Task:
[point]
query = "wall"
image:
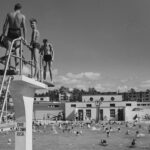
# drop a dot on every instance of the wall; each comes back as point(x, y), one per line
point(141, 113)
point(86, 98)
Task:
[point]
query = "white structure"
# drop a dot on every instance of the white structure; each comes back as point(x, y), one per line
point(47, 110)
point(111, 108)
point(41, 99)
point(106, 98)
point(22, 90)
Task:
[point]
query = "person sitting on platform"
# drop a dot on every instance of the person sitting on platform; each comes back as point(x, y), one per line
point(15, 24)
point(48, 57)
point(35, 46)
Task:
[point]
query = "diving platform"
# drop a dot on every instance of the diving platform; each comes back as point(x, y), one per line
point(22, 90)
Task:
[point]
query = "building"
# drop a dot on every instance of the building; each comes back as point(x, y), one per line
point(48, 110)
point(110, 107)
point(41, 99)
point(120, 107)
point(142, 96)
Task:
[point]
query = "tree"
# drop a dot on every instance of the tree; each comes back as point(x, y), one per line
point(63, 90)
point(92, 91)
point(76, 95)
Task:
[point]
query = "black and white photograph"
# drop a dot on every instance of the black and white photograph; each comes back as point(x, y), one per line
point(74, 74)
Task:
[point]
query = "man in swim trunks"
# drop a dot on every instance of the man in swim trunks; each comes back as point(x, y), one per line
point(48, 56)
point(14, 25)
point(35, 46)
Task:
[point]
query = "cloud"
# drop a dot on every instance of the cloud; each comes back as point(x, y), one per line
point(82, 86)
point(123, 88)
point(145, 84)
point(88, 75)
point(82, 80)
point(99, 87)
point(124, 80)
point(92, 75)
point(86, 80)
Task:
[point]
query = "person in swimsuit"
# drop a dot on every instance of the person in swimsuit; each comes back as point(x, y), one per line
point(15, 26)
point(35, 46)
point(48, 56)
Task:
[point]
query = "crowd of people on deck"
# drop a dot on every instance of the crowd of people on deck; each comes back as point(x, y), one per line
point(15, 27)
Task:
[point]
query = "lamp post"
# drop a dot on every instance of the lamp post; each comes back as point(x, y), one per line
point(98, 104)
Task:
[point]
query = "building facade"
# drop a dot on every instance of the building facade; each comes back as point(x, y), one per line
point(109, 107)
point(48, 111)
point(141, 96)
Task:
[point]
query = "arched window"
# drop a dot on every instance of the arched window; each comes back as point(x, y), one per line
point(102, 98)
point(91, 99)
point(112, 98)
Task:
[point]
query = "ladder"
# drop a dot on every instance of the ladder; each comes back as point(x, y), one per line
point(5, 99)
point(7, 63)
point(5, 60)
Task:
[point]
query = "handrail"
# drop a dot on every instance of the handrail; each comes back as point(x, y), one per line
point(7, 63)
point(21, 60)
point(5, 99)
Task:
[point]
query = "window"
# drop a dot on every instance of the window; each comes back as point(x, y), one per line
point(35, 99)
point(91, 99)
point(88, 113)
point(138, 104)
point(56, 105)
point(112, 98)
point(102, 98)
point(128, 104)
point(73, 105)
point(41, 99)
point(112, 105)
point(88, 105)
point(112, 113)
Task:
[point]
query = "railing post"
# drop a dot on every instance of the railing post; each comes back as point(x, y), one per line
point(41, 68)
point(21, 57)
point(31, 65)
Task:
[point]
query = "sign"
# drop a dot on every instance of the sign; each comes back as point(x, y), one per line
point(20, 130)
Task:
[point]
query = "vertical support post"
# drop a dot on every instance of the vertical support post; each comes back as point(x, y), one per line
point(21, 57)
point(98, 113)
point(31, 65)
point(6, 109)
point(41, 78)
point(22, 90)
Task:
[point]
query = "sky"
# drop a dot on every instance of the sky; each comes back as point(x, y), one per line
point(103, 44)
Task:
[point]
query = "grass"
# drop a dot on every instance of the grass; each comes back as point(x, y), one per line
point(89, 140)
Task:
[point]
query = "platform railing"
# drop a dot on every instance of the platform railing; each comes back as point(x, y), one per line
point(21, 61)
point(7, 63)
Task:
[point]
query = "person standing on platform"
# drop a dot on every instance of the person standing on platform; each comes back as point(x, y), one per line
point(35, 46)
point(15, 27)
point(48, 57)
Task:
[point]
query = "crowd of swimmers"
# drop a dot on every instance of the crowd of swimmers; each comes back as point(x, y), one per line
point(15, 27)
point(132, 130)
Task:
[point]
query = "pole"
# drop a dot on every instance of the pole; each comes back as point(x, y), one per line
point(20, 57)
